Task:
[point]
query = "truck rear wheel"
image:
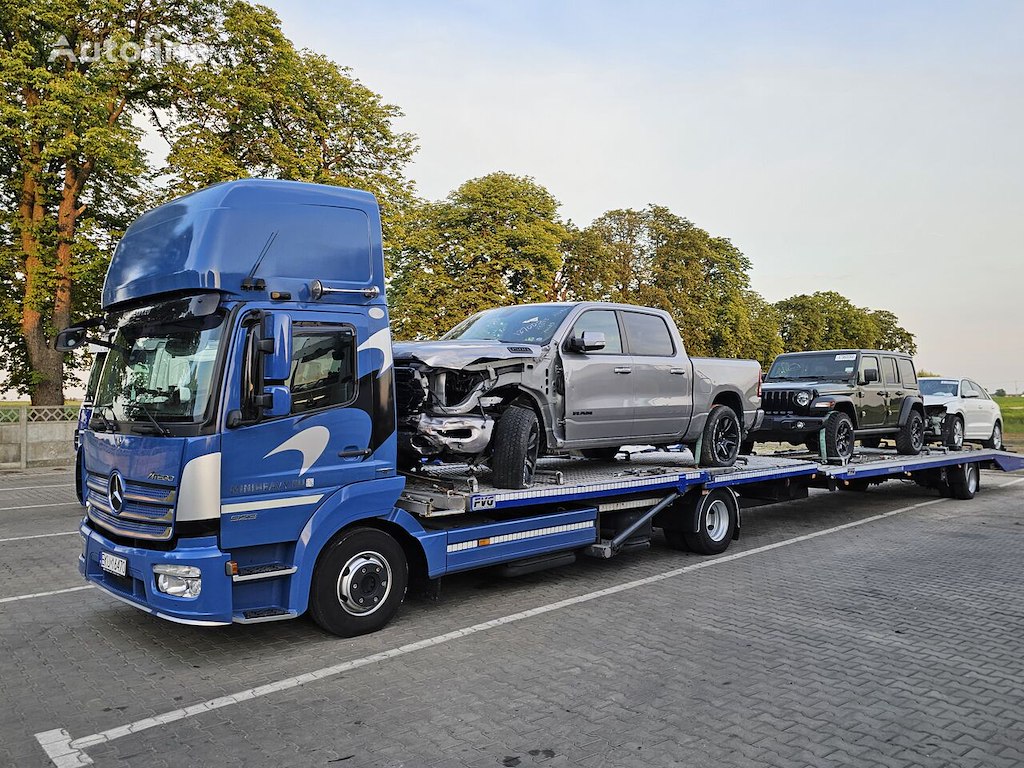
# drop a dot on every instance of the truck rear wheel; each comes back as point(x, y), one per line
point(910, 438)
point(720, 441)
point(359, 583)
point(715, 516)
point(516, 446)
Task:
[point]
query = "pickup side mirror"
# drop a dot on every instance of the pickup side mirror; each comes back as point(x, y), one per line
point(275, 343)
point(70, 339)
point(588, 341)
point(870, 375)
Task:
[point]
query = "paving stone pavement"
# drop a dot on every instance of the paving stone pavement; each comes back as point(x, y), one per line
point(896, 643)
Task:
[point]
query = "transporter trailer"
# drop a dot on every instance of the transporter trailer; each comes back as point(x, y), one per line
point(239, 464)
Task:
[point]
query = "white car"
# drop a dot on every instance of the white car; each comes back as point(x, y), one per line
point(972, 414)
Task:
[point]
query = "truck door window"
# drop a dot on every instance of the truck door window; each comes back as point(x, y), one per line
point(601, 321)
point(907, 374)
point(889, 374)
point(323, 367)
point(647, 335)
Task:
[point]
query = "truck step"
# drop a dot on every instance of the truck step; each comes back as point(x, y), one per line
point(264, 571)
point(257, 615)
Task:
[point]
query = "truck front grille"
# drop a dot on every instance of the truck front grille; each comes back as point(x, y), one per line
point(781, 401)
point(148, 511)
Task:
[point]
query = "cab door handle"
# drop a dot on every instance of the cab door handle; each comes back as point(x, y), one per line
point(623, 370)
point(354, 454)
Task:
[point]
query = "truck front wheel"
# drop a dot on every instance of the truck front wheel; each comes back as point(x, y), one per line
point(720, 441)
point(359, 583)
point(516, 446)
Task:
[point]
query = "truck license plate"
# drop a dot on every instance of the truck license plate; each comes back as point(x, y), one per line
point(113, 564)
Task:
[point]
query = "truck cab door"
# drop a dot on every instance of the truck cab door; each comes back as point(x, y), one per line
point(662, 377)
point(599, 383)
point(276, 469)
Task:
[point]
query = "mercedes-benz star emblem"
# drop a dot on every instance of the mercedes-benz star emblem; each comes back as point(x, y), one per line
point(115, 492)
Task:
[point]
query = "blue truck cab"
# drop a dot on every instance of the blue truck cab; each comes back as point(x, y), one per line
point(244, 414)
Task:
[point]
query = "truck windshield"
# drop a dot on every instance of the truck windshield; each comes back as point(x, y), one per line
point(530, 324)
point(838, 366)
point(160, 371)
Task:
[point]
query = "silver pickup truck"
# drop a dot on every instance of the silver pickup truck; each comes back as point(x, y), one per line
point(510, 384)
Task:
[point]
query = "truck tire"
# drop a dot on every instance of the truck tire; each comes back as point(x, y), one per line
point(964, 481)
point(600, 454)
point(720, 441)
point(910, 438)
point(516, 445)
point(953, 431)
point(839, 436)
point(359, 582)
point(996, 440)
point(715, 517)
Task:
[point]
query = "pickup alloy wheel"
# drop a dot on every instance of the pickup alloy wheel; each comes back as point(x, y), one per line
point(720, 441)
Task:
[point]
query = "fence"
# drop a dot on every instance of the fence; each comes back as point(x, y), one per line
point(37, 436)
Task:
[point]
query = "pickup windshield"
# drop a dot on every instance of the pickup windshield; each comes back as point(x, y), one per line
point(529, 324)
point(160, 370)
point(833, 366)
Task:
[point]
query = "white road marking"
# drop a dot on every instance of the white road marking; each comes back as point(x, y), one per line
point(38, 536)
point(66, 752)
point(38, 506)
point(1012, 482)
point(45, 594)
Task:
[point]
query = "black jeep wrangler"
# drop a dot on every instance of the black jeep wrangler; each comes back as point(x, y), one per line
point(826, 400)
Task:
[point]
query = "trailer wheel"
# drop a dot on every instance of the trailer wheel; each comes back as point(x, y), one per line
point(516, 445)
point(953, 431)
point(839, 436)
point(910, 438)
point(720, 441)
point(715, 517)
point(996, 440)
point(359, 583)
point(964, 481)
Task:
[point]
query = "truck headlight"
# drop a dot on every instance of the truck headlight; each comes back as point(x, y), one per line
point(179, 580)
point(803, 399)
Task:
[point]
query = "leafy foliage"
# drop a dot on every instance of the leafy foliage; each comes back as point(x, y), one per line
point(494, 241)
point(828, 320)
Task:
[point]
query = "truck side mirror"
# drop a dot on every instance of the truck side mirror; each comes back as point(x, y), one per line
point(70, 339)
point(275, 343)
point(275, 401)
point(870, 375)
point(588, 341)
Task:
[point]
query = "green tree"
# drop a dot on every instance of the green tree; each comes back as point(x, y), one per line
point(494, 241)
point(655, 258)
point(999, 393)
point(79, 78)
point(828, 320)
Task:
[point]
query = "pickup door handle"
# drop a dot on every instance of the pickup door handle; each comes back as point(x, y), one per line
point(354, 454)
point(678, 371)
point(623, 370)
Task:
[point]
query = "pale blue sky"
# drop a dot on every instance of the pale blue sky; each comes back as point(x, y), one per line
point(872, 148)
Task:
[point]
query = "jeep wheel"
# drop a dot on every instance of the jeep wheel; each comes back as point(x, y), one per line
point(996, 441)
point(953, 431)
point(910, 438)
point(516, 445)
point(839, 436)
point(720, 441)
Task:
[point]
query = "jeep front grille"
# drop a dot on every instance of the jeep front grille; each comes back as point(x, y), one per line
point(781, 401)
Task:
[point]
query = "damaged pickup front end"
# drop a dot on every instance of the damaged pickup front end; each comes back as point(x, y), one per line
point(450, 394)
